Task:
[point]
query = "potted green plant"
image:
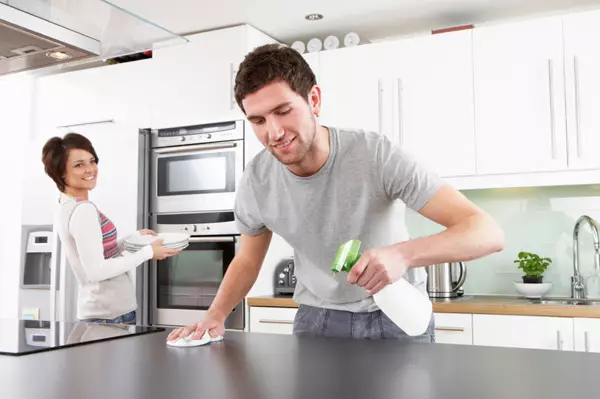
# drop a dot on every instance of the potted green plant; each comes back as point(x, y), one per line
point(533, 266)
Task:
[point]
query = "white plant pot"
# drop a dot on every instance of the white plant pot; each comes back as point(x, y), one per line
point(532, 290)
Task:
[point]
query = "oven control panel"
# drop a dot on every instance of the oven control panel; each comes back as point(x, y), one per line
point(198, 134)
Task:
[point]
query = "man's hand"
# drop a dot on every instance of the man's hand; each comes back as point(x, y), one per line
point(214, 325)
point(377, 268)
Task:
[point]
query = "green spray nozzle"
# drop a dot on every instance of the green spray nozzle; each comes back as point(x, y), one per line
point(347, 255)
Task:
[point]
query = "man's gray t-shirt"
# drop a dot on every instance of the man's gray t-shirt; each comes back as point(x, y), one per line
point(353, 196)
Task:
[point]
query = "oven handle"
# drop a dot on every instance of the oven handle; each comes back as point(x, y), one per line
point(195, 147)
point(211, 239)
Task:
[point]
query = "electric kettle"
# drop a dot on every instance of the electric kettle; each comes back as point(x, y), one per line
point(442, 281)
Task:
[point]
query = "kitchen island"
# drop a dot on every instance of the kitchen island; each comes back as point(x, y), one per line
point(250, 365)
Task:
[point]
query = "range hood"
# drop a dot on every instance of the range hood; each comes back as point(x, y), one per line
point(42, 34)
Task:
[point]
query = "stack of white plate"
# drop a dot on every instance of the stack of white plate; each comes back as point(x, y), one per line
point(170, 240)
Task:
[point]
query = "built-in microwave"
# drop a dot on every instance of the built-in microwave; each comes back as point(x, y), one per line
point(196, 168)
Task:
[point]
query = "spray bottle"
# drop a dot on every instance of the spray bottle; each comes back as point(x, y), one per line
point(405, 305)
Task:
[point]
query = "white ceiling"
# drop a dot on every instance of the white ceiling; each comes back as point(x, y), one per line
point(371, 19)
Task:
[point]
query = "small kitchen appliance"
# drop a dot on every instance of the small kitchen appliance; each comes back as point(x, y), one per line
point(284, 279)
point(444, 280)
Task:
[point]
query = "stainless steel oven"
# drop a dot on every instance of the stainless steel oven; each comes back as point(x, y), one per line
point(183, 287)
point(196, 168)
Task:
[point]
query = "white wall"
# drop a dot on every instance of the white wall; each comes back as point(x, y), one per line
point(16, 93)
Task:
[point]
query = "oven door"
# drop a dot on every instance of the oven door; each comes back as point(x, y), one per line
point(198, 177)
point(184, 286)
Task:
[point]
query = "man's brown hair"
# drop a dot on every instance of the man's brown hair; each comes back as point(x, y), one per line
point(56, 152)
point(271, 63)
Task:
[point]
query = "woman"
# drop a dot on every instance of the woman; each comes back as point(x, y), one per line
point(89, 238)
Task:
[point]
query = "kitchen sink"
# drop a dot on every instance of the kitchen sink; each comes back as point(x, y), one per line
point(579, 302)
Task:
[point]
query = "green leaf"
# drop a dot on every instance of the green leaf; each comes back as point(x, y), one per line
point(532, 264)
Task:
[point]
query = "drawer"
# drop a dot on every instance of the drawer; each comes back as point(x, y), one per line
point(272, 320)
point(453, 328)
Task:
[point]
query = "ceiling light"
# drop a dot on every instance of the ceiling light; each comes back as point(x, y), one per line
point(59, 55)
point(314, 17)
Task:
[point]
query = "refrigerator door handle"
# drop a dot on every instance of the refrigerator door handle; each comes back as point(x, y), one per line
point(54, 276)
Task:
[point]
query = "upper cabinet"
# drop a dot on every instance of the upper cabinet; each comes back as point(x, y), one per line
point(115, 92)
point(313, 61)
point(418, 92)
point(350, 87)
point(194, 82)
point(432, 96)
point(519, 97)
point(582, 83)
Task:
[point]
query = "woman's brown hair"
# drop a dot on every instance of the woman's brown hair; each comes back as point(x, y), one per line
point(56, 152)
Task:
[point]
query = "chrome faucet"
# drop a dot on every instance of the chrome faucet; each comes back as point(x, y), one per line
point(577, 283)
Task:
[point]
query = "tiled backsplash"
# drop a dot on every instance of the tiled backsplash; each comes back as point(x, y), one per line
point(538, 220)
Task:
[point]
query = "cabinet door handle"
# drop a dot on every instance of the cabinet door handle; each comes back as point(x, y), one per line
point(232, 73)
point(558, 341)
point(380, 105)
point(577, 113)
point(400, 116)
point(452, 329)
point(586, 341)
point(272, 321)
point(100, 122)
point(551, 90)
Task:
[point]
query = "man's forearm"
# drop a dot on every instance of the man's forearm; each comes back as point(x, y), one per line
point(235, 286)
point(474, 237)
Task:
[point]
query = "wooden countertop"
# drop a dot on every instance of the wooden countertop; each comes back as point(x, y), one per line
point(471, 304)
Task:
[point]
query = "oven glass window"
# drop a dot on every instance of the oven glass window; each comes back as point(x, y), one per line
point(191, 175)
point(196, 174)
point(191, 279)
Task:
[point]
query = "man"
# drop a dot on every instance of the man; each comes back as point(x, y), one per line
point(318, 187)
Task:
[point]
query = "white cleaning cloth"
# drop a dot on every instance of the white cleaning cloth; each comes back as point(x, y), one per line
point(188, 341)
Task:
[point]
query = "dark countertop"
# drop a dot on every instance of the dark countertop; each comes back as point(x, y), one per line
point(253, 365)
point(24, 337)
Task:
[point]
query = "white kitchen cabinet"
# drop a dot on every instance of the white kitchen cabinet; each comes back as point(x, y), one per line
point(582, 63)
point(453, 328)
point(449, 329)
point(73, 99)
point(432, 96)
point(272, 320)
point(313, 61)
point(523, 331)
point(587, 335)
point(417, 91)
point(194, 82)
point(351, 86)
point(519, 97)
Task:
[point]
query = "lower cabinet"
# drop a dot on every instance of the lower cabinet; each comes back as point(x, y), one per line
point(272, 320)
point(453, 328)
point(450, 328)
point(533, 332)
point(587, 335)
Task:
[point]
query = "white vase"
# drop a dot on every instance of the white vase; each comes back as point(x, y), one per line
point(532, 290)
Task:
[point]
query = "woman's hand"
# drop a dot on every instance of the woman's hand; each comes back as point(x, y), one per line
point(147, 232)
point(160, 252)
